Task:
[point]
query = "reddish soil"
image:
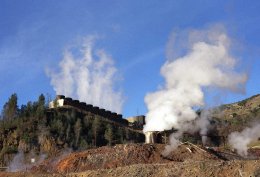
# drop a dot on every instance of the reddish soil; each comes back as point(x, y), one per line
point(146, 160)
point(124, 155)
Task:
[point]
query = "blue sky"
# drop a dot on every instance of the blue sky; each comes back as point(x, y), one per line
point(34, 34)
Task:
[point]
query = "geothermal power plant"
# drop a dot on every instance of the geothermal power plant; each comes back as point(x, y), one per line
point(134, 123)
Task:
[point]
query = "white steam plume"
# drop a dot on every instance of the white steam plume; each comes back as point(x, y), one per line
point(20, 161)
point(88, 75)
point(240, 140)
point(206, 63)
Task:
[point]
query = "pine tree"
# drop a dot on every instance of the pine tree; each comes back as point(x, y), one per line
point(10, 110)
point(77, 131)
point(109, 135)
point(96, 129)
point(68, 133)
point(120, 135)
point(40, 106)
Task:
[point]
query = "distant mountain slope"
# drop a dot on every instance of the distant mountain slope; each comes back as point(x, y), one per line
point(234, 117)
point(247, 108)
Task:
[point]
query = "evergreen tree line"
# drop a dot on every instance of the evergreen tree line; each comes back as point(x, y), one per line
point(35, 127)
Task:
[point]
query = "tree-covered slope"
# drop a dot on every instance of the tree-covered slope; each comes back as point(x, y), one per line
point(33, 128)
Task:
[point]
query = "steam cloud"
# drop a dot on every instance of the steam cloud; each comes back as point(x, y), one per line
point(88, 75)
point(19, 162)
point(206, 63)
point(240, 140)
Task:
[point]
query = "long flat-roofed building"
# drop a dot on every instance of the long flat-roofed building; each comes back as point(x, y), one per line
point(65, 102)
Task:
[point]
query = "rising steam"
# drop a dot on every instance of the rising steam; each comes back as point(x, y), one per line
point(240, 140)
point(205, 62)
point(20, 161)
point(88, 75)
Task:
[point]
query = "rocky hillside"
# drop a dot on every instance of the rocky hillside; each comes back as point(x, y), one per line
point(235, 117)
point(123, 155)
point(35, 130)
point(146, 160)
point(245, 109)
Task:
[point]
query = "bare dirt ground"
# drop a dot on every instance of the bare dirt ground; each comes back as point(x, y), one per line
point(146, 160)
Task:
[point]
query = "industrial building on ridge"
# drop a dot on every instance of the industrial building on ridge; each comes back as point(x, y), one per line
point(134, 123)
point(66, 102)
point(61, 101)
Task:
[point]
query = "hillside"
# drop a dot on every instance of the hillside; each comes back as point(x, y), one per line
point(245, 109)
point(228, 118)
point(146, 160)
point(235, 117)
point(34, 130)
point(104, 148)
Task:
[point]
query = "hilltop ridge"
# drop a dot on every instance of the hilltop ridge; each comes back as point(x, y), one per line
point(51, 131)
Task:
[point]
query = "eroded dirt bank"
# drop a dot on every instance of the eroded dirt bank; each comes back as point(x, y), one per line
point(146, 160)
